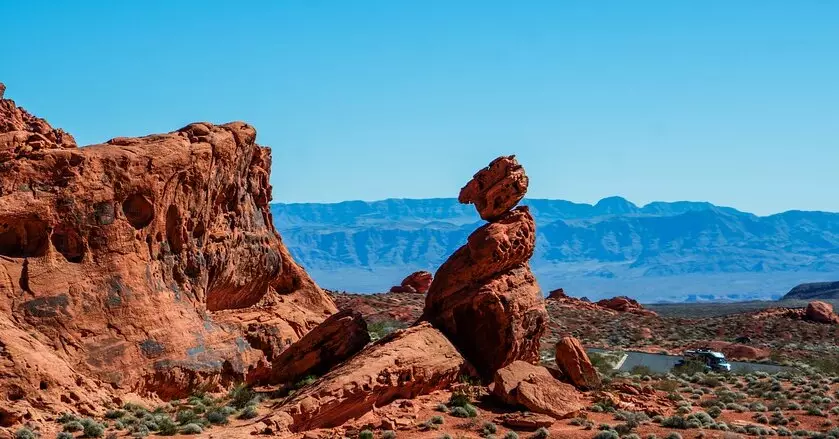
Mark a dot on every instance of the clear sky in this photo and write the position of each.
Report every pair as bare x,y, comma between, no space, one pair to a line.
733,102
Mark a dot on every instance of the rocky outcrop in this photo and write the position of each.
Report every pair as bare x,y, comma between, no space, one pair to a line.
403,365
557,294
484,297
575,364
526,420
496,189
821,312
814,290
625,304
533,387
417,282
336,339
139,263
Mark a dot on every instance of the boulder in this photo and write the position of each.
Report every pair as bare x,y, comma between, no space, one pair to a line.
403,365
533,387
575,364
486,299
821,312
139,263
557,294
527,420
497,188
339,337
417,282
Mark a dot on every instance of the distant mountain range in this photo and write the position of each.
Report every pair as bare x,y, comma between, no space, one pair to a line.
816,290
659,252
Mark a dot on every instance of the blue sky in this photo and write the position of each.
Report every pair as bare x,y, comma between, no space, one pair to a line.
734,102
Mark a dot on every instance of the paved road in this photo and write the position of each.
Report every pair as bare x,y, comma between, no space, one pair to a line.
664,363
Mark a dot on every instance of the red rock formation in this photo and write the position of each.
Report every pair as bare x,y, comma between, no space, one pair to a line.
575,364
417,282
625,304
533,387
116,261
557,294
336,339
527,420
497,188
405,364
821,312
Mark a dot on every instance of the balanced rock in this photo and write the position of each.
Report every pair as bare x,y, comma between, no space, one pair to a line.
533,387
497,188
821,312
403,365
486,299
116,261
575,364
417,282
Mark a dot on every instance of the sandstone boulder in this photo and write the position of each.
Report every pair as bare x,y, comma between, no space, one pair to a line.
497,188
339,337
575,364
403,365
821,312
527,420
417,282
138,263
533,387
557,294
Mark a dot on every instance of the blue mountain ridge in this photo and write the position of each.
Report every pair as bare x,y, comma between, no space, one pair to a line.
662,251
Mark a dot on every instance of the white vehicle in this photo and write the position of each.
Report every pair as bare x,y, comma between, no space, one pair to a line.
713,360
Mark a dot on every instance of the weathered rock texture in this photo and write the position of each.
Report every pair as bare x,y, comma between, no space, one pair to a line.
403,365
139,264
575,364
333,341
533,387
418,282
821,312
497,188
485,297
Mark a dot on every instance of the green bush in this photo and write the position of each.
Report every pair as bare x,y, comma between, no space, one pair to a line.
511,435
541,433
217,416
93,429
184,417
241,396
607,434
64,435
73,426
191,429
249,412
366,434
489,428
114,414
25,433
166,426
388,434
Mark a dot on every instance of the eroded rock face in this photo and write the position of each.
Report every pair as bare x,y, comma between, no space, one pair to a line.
533,387
333,341
417,282
821,312
497,188
485,297
403,365
117,259
574,363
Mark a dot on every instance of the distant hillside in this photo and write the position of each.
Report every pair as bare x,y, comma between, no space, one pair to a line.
662,251
815,290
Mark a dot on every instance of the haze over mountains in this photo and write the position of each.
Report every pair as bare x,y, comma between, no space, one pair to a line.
679,251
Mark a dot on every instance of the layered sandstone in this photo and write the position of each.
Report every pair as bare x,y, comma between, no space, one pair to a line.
140,264
417,282
485,297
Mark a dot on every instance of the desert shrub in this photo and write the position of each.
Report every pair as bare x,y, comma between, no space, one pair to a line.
459,399
217,416
191,429
114,414
184,417
93,429
388,434
437,420
25,433
305,381
489,428
381,329
64,435
607,434
673,435
814,411
249,412
541,433
641,370
240,396
511,435
459,412
366,434
441,408
675,421
714,412
446,436
73,426
166,426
